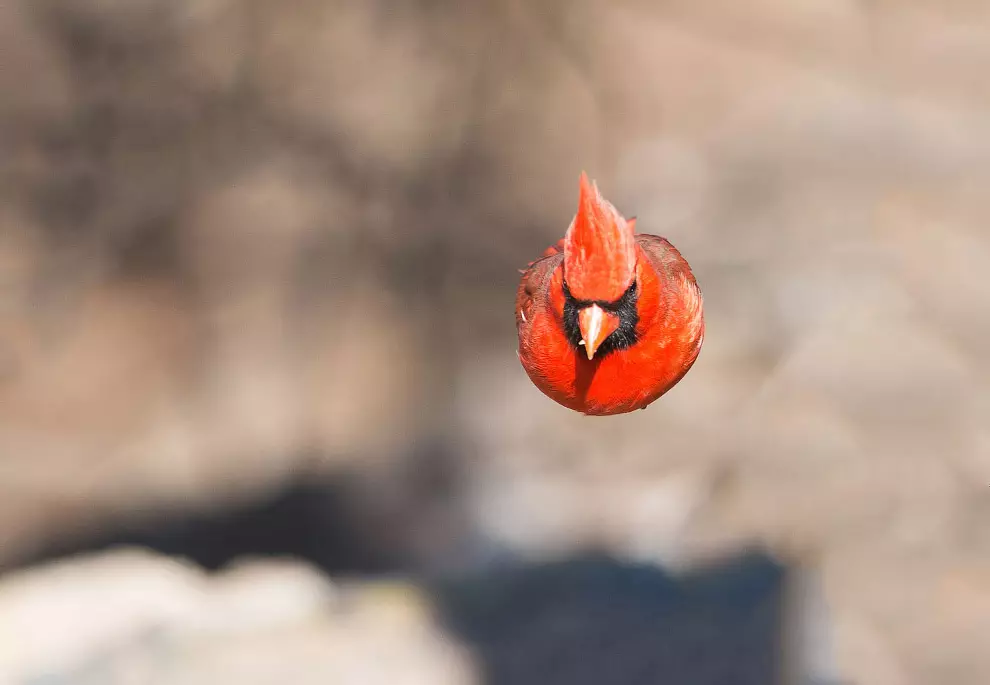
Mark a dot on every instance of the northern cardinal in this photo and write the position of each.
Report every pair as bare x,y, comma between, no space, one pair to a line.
608,320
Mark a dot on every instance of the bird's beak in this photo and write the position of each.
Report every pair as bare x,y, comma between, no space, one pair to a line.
596,324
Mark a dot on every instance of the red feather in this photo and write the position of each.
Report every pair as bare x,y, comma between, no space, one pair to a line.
599,248
600,259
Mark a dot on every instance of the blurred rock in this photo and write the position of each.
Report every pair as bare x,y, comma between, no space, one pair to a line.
131,615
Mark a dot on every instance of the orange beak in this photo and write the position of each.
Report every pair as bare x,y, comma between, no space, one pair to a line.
596,324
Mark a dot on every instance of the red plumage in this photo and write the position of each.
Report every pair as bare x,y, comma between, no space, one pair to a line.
608,320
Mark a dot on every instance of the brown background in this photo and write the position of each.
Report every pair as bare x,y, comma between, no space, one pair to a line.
249,247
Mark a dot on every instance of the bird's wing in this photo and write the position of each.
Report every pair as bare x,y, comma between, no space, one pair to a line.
665,256
533,284
668,260
556,248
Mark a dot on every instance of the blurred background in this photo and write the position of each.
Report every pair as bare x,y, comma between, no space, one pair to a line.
257,373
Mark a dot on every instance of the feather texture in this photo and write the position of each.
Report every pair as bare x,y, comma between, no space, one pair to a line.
627,373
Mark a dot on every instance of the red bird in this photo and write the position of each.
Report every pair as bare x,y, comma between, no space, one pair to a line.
608,320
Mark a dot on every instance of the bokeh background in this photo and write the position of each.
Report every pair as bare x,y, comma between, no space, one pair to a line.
257,270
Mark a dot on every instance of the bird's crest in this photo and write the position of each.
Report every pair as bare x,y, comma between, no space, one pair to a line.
599,248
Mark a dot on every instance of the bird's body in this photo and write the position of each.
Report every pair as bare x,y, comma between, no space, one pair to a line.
608,320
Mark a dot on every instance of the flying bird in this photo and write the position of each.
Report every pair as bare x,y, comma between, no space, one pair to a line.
608,319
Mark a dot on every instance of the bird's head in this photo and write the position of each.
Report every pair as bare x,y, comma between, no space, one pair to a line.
599,274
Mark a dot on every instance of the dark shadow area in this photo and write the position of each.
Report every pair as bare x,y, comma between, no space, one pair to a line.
596,621
320,521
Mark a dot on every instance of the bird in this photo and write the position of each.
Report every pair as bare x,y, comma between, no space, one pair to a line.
608,319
